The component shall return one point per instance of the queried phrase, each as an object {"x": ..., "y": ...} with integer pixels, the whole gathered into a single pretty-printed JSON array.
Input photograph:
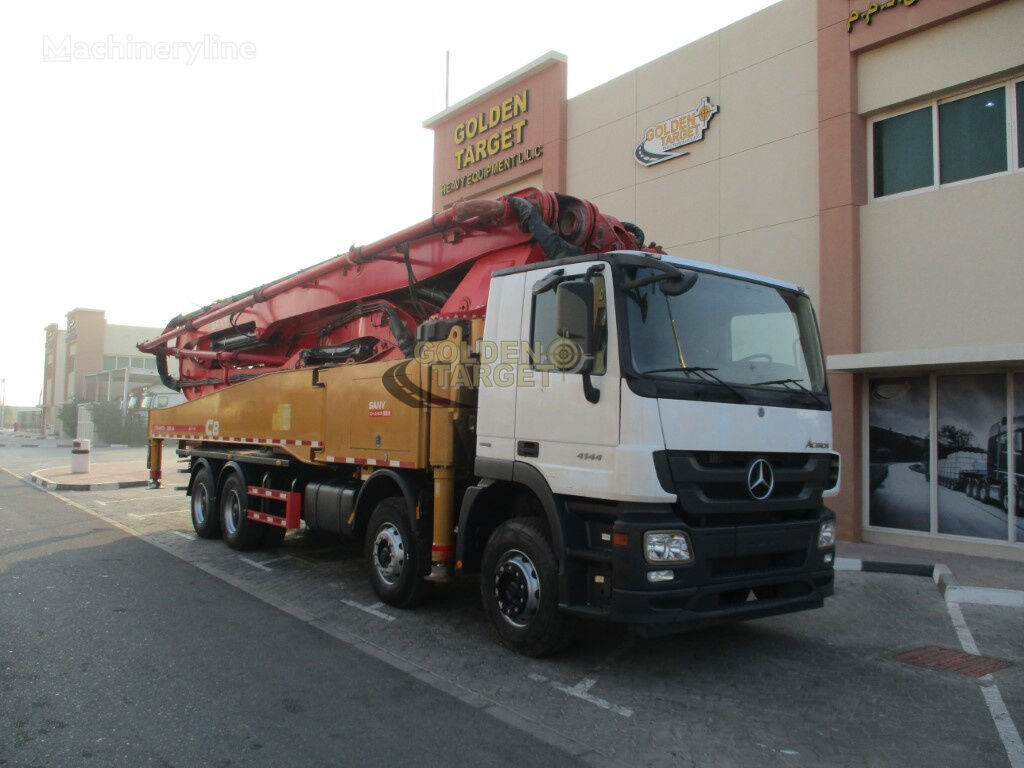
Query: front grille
[
  {"x": 712, "y": 485},
  {"x": 755, "y": 564}
]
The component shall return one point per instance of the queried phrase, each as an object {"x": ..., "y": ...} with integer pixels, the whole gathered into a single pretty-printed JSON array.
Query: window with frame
[
  {"x": 972, "y": 136},
  {"x": 903, "y": 152},
  {"x": 955, "y": 139},
  {"x": 1020, "y": 120},
  {"x": 544, "y": 334}
]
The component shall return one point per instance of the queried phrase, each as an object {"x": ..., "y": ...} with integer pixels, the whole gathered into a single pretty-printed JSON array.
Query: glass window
[
  {"x": 1018, "y": 450},
  {"x": 123, "y": 361},
  {"x": 971, "y": 439},
  {"x": 972, "y": 136},
  {"x": 903, "y": 150},
  {"x": 898, "y": 449},
  {"x": 543, "y": 333},
  {"x": 1020, "y": 124},
  {"x": 745, "y": 332},
  {"x": 109, "y": 362}
]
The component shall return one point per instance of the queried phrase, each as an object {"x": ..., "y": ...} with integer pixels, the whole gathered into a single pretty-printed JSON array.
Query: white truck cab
[{"x": 675, "y": 417}]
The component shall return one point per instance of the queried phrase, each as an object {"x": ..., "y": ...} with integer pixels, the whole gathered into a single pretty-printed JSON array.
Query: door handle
[{"x": 528, "y": 448}]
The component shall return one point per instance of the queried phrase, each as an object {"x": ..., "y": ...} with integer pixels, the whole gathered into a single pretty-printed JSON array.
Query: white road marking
[
  {"x": 254, "y": 564},
  {"x": 582, "y": 691},
  {"x": 189, "y": 536},
  {"x": 131, "y": 498},
  {"x": 156, "y": 514},
  {"x": 993, "y": 698},
  {"x": 368, "y": 609},
  {"x": 277, "y": 559}
]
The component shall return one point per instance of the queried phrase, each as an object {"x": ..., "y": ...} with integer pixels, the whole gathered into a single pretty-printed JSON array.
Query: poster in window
[
  {"x": 1018, "y": 449},
  {"x": 971, "y": 440},
  {"x": 898, "y": 451}
]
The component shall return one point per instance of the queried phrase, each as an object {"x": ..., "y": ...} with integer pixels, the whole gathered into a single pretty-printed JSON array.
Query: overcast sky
[{"x": 147, "y": 187}]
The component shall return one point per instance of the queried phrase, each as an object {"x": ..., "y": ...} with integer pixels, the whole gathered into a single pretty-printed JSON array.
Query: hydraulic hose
[{"x": 530, "y": 220}]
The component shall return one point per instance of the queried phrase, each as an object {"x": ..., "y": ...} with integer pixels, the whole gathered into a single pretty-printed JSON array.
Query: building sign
[
  {"x": 508, "y": 136},
  {"x": 492, "y": 141},
  {"x": 661, "y": 139},
  {"x": 872, "y": 9}
]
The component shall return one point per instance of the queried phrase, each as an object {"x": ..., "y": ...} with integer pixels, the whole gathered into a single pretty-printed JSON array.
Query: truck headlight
[
  {"x": 667, "y": 547},
  {"x": 827, "y": 534}
]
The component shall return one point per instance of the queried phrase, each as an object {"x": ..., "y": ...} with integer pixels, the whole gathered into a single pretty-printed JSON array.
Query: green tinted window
[
  {"x": 1020, "y": 124},
  {"x": 972, "y": 136},
  {"x": 903, "y": 152}
]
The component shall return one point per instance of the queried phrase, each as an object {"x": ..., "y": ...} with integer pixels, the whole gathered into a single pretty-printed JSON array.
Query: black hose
[
  {"x": 635, "y": 231},
  {"x": 530, "y": 220},
  {"x": 165, "y": 376}
]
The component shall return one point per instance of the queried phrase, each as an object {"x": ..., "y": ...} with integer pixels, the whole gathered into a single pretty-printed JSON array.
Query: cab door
[{"x": 557, "y": 429}]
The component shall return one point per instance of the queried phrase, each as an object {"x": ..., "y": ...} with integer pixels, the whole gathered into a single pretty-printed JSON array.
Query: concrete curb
[
  {"x": 947, "y": 584},
  {"x": 50, "y": 485}
]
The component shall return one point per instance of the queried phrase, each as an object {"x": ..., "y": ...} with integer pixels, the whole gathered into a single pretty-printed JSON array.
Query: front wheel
[
  {"x": 395, "y": 556},
  {"x": 519, "y": 588}
]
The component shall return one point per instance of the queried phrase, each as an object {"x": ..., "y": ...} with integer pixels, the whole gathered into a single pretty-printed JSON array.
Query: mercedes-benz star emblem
[{"x": 760, "y": 479}]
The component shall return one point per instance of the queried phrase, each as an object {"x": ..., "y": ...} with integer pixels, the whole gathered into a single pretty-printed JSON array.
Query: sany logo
[{"x": 378, "y": 408}]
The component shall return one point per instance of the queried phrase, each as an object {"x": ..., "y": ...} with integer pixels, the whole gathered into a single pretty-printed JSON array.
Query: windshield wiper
[
  {"x": 795, "y": 382},
  {"x": 709, "y": 372}
]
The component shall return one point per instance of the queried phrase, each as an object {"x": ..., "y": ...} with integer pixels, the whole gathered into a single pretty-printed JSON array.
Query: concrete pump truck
[{"x": 521, "y": 390}]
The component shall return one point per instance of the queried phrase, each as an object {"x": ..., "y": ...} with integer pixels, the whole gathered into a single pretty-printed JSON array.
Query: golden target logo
[{"x": 564, "y": 354}]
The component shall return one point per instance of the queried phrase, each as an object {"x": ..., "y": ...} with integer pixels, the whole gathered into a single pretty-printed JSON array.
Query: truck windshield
[{"x": 725, "y": 332}]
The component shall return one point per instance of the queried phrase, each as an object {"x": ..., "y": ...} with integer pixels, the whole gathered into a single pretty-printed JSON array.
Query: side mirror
[{"x": 574, "y": 319}]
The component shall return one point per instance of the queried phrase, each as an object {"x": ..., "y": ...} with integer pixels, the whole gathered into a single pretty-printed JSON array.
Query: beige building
[
  {"x": 871, "y": 152},
  {"x": 93, "y": 360}
]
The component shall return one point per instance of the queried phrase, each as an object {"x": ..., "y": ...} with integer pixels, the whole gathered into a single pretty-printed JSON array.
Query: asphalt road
[
  {"x": 117, "y": 654},
  {"x": 181, "y": 635}
]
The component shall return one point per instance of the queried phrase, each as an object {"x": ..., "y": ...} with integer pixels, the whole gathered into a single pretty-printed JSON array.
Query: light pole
[{"x": 3, "y": 403}]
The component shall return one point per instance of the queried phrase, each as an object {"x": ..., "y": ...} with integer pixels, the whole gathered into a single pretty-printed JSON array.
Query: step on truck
[{"x": 525, "y": 392}]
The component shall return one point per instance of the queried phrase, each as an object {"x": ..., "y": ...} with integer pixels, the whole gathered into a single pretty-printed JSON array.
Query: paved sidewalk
[{"x": 102, "y": 476}]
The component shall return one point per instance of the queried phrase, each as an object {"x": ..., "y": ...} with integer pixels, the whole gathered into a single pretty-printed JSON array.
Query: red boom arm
[{"x": 367, "y": 304}]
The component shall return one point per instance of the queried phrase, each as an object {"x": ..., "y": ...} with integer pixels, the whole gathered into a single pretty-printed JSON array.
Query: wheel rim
[
  {"x": 388, "y": 554},
  {"x": 517, "y": 588},
  {"x": 233, "y": 517},
  {"x": 200, "y": 504}
]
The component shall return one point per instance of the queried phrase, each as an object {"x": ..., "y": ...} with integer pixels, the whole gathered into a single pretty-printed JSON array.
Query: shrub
[
  {"x": 67, "y": 415},
  {"x": 113, "y": 427}
]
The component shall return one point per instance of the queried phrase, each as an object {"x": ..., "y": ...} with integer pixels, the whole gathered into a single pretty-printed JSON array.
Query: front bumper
[{"x": 737, "y": 573}]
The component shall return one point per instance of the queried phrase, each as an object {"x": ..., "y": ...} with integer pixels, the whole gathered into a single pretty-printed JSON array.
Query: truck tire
[
  {"x": 395, "y": 557},
  {"x": 983, "y": 492},
  {"x": 205, "y": 518},
  {"x": 239, "y": 531},
  {"x": 519, "y": 588}
]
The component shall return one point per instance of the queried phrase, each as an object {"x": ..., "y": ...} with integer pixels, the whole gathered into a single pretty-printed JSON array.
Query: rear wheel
[
  {"x": 239, "y": 531},
  {"x": 395, "y": 556},
  {"x": 205, "y": 520},
  {"x": 519, "y": 588}
]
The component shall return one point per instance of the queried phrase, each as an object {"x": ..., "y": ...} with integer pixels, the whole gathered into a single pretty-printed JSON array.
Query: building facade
[
  {"x": 93, "y": 360},
  {"x": 871, "y": 152}
]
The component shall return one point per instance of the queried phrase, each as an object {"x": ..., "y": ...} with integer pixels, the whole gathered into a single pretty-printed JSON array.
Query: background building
[
  {"x": 93, "y": 360},
  {"x": 871, "y": 152}
]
